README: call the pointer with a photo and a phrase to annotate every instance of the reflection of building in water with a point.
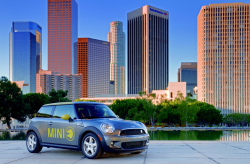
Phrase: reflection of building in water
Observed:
(235, 136)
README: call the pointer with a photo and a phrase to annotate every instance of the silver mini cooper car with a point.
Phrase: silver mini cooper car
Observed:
(88, 126)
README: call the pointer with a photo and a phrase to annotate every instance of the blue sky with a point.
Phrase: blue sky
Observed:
(94, 17)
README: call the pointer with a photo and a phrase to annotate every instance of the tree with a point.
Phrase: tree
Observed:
(142, 93)
(149, 111)
(122, 107)
(35, 101)
(169, 114)
(179, 97)
(191, 113)
(11, 102)
(208, 114)
(139, 109)
(82, 100)
(58, 96)
(236, 119)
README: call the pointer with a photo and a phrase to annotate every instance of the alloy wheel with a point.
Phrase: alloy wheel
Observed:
(90, 146)
(31, 142)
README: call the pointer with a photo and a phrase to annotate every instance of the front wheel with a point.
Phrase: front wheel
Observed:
(32, 143)
(91, 146)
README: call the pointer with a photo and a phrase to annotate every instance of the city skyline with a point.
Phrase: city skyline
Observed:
(94, 22)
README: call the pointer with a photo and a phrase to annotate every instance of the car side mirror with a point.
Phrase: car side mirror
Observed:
(66, 117)
(117, 116)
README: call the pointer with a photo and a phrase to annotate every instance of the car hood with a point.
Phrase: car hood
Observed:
(120, 124)
(125, 124)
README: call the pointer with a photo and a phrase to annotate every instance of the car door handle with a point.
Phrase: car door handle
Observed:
(50, 123)
(80, 124)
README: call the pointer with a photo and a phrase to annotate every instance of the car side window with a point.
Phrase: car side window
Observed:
(45, 111)
(61, 110)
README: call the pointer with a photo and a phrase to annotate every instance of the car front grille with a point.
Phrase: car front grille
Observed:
(131, 145)
(132, 132)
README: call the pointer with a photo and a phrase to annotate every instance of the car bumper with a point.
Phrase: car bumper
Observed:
(125, 143)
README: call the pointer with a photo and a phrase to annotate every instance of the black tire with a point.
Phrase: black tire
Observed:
(91, 146)
(33, 143)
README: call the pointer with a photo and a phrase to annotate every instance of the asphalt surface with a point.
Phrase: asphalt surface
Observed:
(159, 152)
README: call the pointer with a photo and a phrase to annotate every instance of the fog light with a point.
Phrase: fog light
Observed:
(111, 144)
(147, 142)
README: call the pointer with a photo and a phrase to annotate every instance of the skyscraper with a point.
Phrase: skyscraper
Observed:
(147, 50)
(25, 53)
(188, 73)
(223, 56)
(94, 65)
(116, 37)
(62, 36)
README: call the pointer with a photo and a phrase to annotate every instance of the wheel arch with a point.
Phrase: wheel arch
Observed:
(90, 130)
(34, 129)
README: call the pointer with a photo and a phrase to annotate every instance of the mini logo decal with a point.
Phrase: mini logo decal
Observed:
(70, 133)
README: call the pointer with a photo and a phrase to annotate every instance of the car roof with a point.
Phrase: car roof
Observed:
(79, 102)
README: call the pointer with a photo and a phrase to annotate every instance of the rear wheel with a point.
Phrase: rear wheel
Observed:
(32, 143)
(91, 146)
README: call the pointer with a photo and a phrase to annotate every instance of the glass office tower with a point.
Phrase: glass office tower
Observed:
(147, 50)
(116, 37)
(188, 73)
(62, 36)
(25, 54)
(223, 56)
(94, 65)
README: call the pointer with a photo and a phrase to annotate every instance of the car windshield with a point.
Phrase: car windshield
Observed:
(94, 111)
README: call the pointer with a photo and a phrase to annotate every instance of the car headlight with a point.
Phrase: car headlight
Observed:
(143, 125)
(107, 128)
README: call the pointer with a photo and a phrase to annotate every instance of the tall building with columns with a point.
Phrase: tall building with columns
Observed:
(223, 56)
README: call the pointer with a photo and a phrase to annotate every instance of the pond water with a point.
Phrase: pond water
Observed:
(235, 135)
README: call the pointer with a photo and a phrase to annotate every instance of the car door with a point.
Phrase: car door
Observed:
(62, 131)
(42, 120)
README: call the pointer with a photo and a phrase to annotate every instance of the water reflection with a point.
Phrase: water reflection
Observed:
(201, 135)
(236, 136)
